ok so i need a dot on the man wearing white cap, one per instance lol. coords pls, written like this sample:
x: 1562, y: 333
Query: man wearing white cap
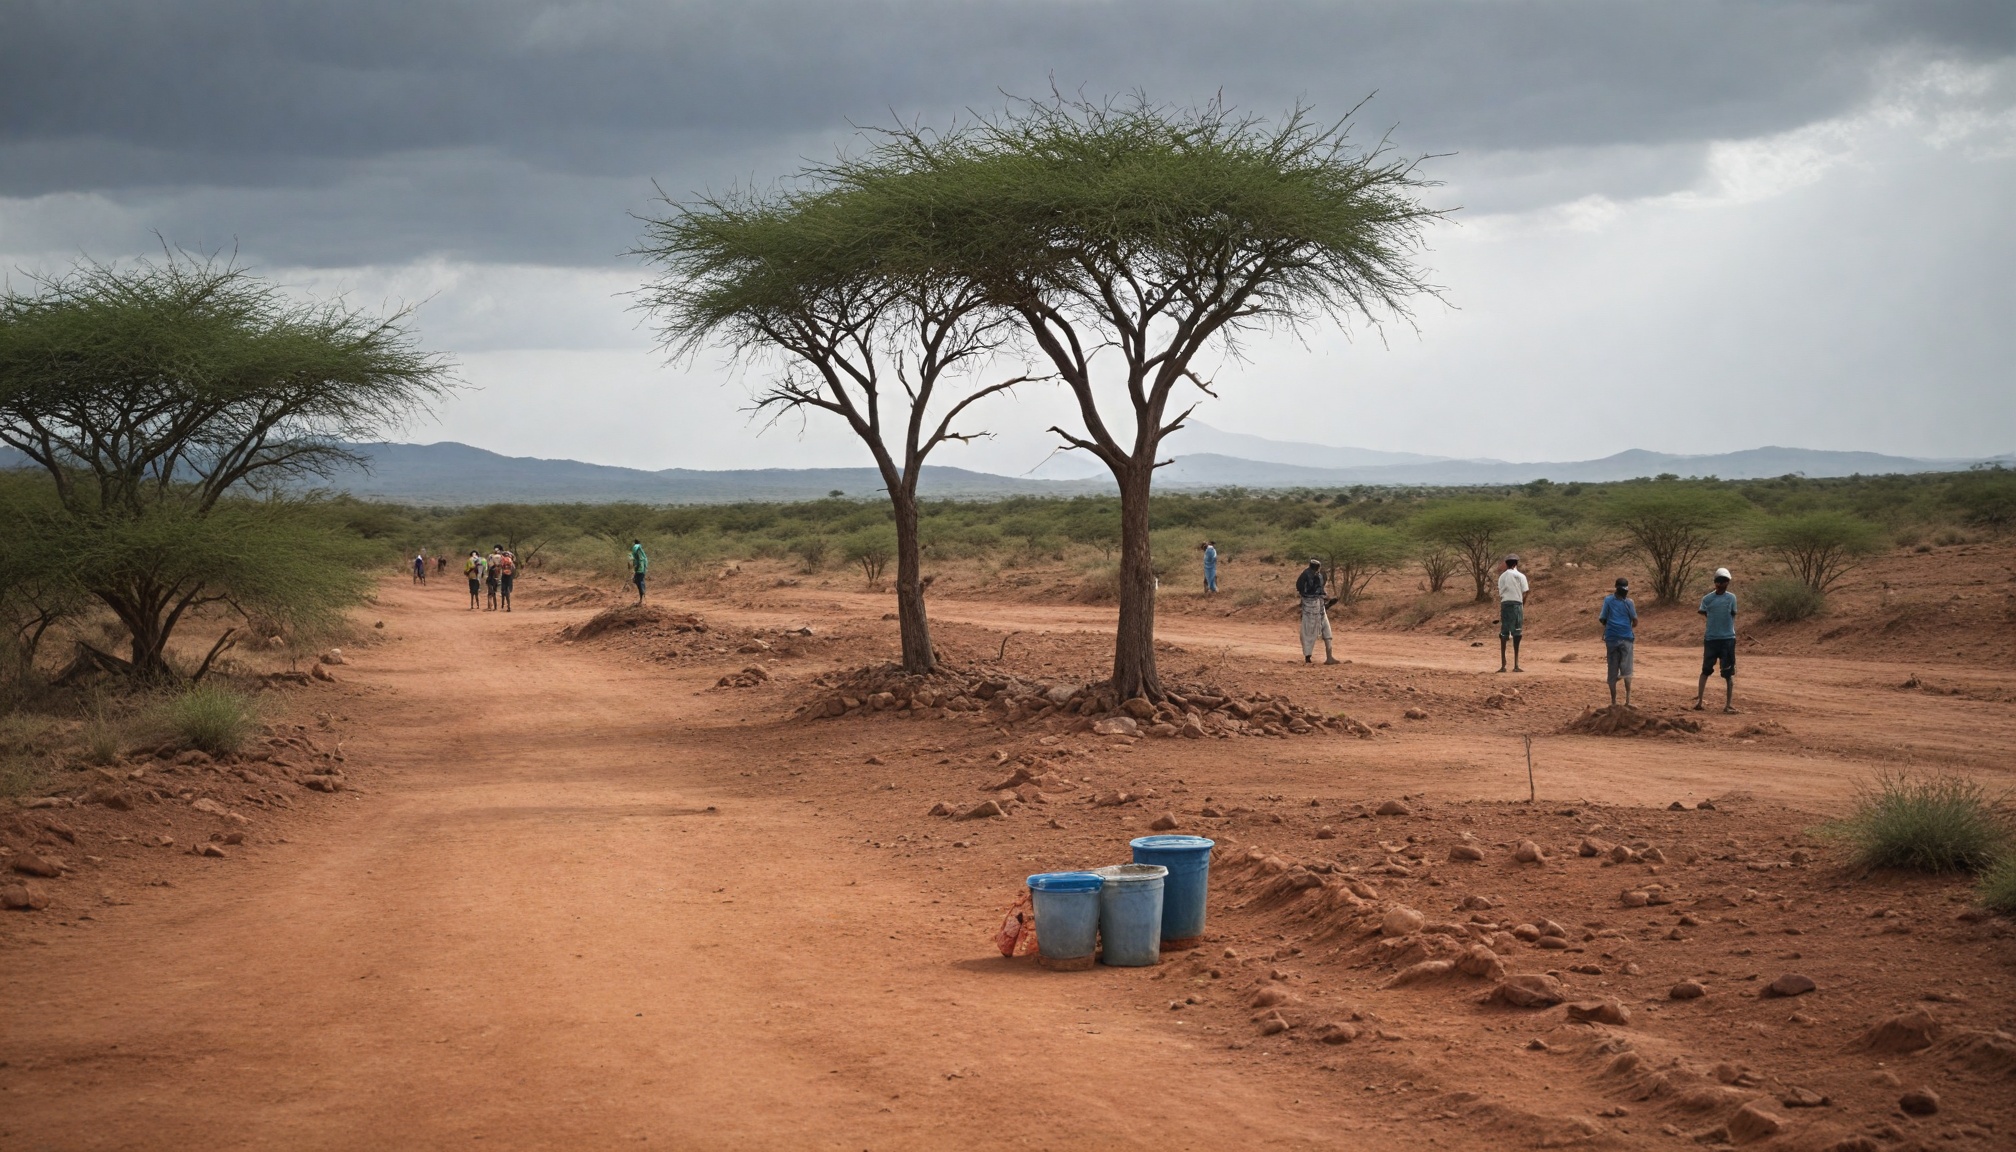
x: 1718, y: 645
x: 1512, y: 588
x: 1315, y: 613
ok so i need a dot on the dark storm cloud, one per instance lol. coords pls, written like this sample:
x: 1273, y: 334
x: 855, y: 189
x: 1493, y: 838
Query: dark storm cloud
x: 372, y: 130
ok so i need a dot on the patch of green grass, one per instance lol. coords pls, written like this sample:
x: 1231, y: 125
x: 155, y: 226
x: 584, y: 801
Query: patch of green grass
x: 1782, y: 601
x: 1997, y: 889
x: 20, y: 776
x: 1930, y: 823
x: 208, y: 716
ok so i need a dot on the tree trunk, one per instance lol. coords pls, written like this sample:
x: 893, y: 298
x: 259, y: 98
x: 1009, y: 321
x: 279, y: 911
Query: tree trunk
x: 143, y: 613
x: 1134, y: 639
x: 911, y: 620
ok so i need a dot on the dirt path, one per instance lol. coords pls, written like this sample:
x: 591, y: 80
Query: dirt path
x: 553, y: 922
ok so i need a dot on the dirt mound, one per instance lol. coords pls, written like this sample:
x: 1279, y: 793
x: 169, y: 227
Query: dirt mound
x: 1192, y: 711
x: 631, y: 616
x: 1624, y: 720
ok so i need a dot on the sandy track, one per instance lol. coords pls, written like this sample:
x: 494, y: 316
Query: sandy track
x: 532, y: 934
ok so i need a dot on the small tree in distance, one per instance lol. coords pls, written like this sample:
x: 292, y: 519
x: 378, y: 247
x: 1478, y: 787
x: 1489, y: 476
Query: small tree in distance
x: 871, y: 549
x: 1669, y: 526
x: 1476, y: 531
x: 1352, y: 553
x: 1819, y: 548
x: 1438, y: 563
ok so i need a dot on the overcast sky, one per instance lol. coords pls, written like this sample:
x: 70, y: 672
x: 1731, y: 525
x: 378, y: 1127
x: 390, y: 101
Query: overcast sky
x: 1690, y: 227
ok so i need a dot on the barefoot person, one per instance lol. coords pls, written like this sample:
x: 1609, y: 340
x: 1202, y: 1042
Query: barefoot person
x: 507, y: 569
x: 420, y: 567
x: 492, y: 575
x: 473, y: 569
x: 1512, y: 587
x: 1315, y: 613
x: 1210, y: 567
x: 1620, y: 618
x: 638, y: 564
x: 1718, y: 643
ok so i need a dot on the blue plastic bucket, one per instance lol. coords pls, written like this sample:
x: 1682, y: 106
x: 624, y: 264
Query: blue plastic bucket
x: 1130, y: 915
x: 1188, y: 859
x: 1067, y: 918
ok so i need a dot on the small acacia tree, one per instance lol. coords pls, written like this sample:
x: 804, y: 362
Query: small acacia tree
x: 1352, y: 553
x: 1669, y: 526
x: 1476, y: 531
x: 870, y: 549
x: 524, y: 529
x: 1438, y: 563
x: 1819, y: 548
x: 154, y: 396
x: 821, y: 278
x: 1128, y: 239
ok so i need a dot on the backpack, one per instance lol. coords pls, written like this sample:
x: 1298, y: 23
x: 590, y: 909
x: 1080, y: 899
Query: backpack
x: 507, y: 565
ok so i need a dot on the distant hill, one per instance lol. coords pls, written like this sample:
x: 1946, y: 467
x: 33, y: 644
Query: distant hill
x: 450, y: 474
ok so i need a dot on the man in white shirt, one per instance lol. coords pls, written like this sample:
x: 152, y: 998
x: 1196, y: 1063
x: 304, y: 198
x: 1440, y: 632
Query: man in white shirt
x: 1512, y: 587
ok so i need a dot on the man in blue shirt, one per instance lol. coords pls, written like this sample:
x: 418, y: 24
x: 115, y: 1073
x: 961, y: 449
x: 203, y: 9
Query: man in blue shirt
x: 1210, y: 567
x: 1718, y: 645
x: 1620, y: 617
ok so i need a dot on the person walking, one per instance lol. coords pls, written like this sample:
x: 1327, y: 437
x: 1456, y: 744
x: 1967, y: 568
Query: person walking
x: 473, y: 569
x: 507, y: 569
x: 1210, y: 568
x: 491, y: 576
x: 1718, y: 642
x: 420, y: 567
x: 1512, y: 586
x: 1620, y: 620
x: 441, y: 566
x: 1315, y: 613
x: 639, y: 564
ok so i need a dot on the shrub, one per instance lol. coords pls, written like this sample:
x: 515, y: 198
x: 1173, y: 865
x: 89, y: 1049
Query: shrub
x: 1352, y: 554
x: 1782, y: 601
x: 1669, y: 526
x: 1932, y: 824
x: 871, y: 549
x: 1438, y: 564
x: 20, y: 776
x: 1819, y: 548
x: 1997, y: 890
x: 210, y: 717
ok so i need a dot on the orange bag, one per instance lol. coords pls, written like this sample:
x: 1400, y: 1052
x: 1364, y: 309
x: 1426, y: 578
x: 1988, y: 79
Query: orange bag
x: 1017, y: 936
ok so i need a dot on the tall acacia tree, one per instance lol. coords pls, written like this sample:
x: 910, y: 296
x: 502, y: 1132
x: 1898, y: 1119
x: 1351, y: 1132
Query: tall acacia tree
x: 811, y: 276
x: 156, y: 395
x: 1127, y: 239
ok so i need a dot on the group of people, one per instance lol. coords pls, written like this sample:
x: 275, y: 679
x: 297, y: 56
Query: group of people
x: 1618, y: 615
x: 491, y: 575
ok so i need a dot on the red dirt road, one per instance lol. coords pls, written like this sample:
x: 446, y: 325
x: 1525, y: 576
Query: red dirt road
x: 531, y: 933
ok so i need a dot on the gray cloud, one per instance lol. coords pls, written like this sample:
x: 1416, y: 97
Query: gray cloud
x: 375, y: 129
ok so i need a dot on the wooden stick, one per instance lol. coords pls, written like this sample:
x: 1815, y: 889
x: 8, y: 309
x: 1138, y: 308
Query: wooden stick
x: 1531, y: 792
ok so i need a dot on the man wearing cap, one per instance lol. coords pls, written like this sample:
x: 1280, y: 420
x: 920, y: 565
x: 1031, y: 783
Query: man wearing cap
x: 1620, y: 618
x: 1315, y: 614
x: 1718, y: 644
x: 1512, y: 587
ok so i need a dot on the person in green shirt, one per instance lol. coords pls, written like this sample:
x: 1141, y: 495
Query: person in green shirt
x: 638, y: 564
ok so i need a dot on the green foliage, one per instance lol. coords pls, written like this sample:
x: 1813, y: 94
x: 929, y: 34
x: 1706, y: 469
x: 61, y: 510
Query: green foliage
x: 1819, y: 548
x: 1438, y: 564
x: 1785, y: 601
x: 1352, y: 554
x: 524, y: 529
x: 208, y: 716
x: 871, y: 549
x: 1930, y: 823
x: 1987, y: 496
x: 1669, y: 526
x: 1997, y: 889
x: 1477, y: 531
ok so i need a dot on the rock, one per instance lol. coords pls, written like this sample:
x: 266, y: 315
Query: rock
x: 1424, y: 970
x: 321, y: 783
x: 1400, y: 921
x: 1790, y: 984
x: 1855, y: 1144
x: 875, y: 760
x: 333, y: 656
x: 1600, y: 1012
x: 1570, y: 658
x: 1482, y: 963
x: 941, y: 808
x: 1113, y: 799
x: 1529, y: 853
x: 985, y: 810
x: 22, y: 898
x: 1526, y: 932
x: 1268, y: 997
x: 210, y: 850
x: 1687, y: 990
x: 1415, y: 714
x: 1394, y: 808
x: 1139, y: 708
x: 1466, y: 852
x: 1272, y: 1024
x: 1191, y: 729
x: 1550, y: 928
x: 30, y: 864
x: 1635, y: 898
x: 1163, y: 731
x: 1754, y: 1122
x: 205, y: 804
x: 1677, y: 806
x: 1061, y: 694
x: 1906, y: 1032
x: 322, y: 674
x: 1591, y: 846
x: 1919, y: 1102
x: 1326, y: 832
x: 1336, y: 1032
x: 1529, y: 990
x: 1116, y: 726
x: 110, y: 796
x: 1796, y: 1097
x: 1652, y: 856
x: 1164, y: 822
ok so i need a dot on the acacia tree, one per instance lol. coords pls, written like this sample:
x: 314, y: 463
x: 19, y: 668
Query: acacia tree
x: 1819, y: 548
x: 810, y: 275
x: 155, y: 396
x: 1127, y: 239
x: 1353, y: 552
x: 1476, y: 531
x: 1669, y: 526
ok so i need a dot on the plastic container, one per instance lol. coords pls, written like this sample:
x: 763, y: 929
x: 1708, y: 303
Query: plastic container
x: 1130, y: 915
x: 1188, y: 859
x: 1067, y: 918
